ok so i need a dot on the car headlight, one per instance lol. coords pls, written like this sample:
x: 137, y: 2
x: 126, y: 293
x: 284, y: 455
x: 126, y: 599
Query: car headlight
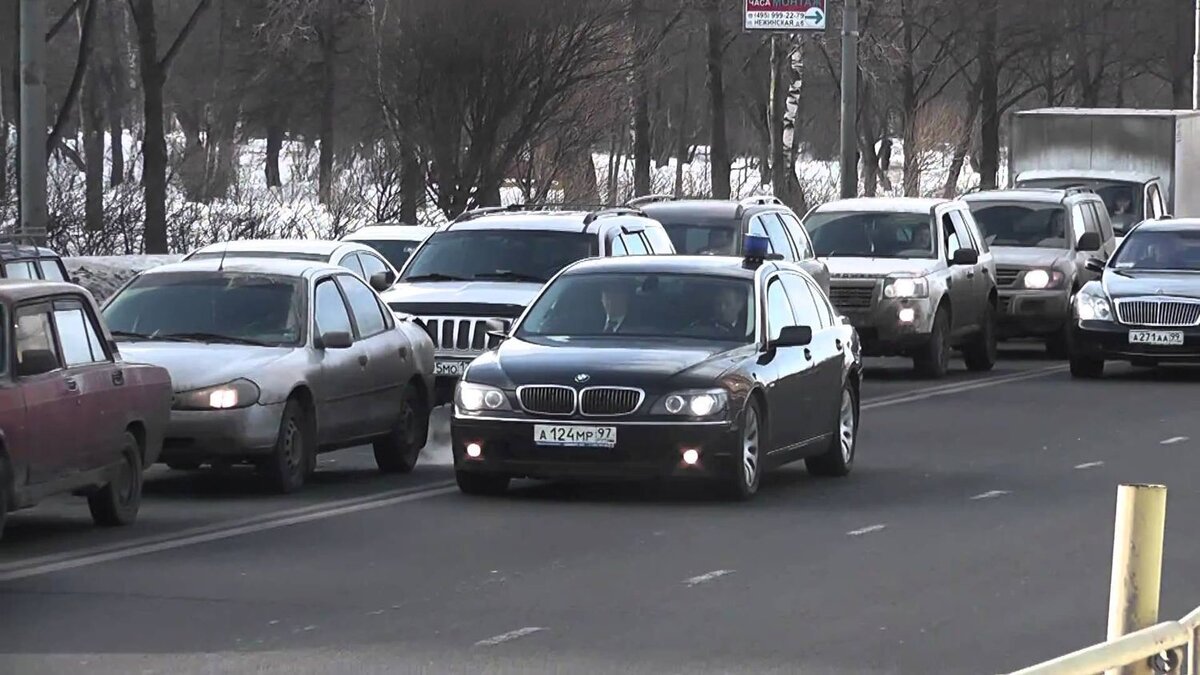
x: 470, y: 397
x: 906, y: 287
x: 705, y: 403
x: 1040, y: 280
x: 1089, y: 307
x: 236, y: 394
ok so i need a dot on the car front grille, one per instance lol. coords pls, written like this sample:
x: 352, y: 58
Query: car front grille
x: 1175, y: 313
x: 609, y: 401
x: 1007, y: 276
x: 547, y: 399
x: 851, y: 296
x: 460, y: 334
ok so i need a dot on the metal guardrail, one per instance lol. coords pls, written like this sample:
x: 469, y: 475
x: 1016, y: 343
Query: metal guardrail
x: 1137, y: 644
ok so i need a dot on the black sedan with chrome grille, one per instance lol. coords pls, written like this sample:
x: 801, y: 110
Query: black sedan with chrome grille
x: 663, y: 367
x: 1145, y: 308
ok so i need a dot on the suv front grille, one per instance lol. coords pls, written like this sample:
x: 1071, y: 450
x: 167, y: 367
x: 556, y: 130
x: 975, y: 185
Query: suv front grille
x: 1007, y: 276
x: 846, y: 296
x: 609, y: 401
x: 547, y: 399
x: 1175, y: 313
x: 460, y: 334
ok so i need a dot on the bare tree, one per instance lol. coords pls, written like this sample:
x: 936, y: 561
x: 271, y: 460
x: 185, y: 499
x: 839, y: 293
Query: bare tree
x: 719, y: 157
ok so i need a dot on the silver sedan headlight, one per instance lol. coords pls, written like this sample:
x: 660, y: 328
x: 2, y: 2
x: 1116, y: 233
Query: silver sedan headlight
x: 693, y: 403
x: 235, y: 394
x: 1090, y: 307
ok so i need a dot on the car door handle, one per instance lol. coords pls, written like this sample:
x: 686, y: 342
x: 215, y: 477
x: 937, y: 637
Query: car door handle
x: 808, y: 353
x: 403, y: 353
x: 118, y: 377
x: 839, y: 344
x: 362, y: 360
x: 72, y: 385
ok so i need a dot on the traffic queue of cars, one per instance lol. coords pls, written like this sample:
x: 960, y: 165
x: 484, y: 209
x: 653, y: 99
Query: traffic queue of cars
x: 715, y: 340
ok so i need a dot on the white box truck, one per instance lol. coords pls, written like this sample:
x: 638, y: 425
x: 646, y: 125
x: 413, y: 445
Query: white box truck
x: 1144, y: 163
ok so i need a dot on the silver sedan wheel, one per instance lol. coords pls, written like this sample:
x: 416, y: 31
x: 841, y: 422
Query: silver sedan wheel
x: 750, y: 447
x: 847, y: 425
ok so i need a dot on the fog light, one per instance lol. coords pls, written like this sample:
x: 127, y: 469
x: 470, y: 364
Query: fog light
x: 908, y: 315
x: 474, y: 450
x: 691, y: 457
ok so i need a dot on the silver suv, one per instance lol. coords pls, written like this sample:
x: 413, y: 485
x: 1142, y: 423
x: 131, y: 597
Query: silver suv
x: 913, y: 276
x: 472, y: 278
x: 1042, y: 240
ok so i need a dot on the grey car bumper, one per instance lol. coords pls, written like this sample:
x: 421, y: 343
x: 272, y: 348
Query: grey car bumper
x: 893, y: 327
x: 198, y: 435
x: 1025, y: 313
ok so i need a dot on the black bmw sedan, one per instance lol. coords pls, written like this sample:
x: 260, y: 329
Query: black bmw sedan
x: 663, y: 367
x: 1145, y: 308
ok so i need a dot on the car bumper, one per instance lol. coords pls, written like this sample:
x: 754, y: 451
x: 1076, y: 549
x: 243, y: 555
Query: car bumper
x: 642, y: 451
x: 198, y: 435
x: 893, y: 327
x: 1110, y: 341
x: 1032, y: 313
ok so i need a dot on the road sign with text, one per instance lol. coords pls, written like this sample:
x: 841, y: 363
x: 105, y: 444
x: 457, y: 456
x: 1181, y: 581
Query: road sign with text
x: 784, y: 15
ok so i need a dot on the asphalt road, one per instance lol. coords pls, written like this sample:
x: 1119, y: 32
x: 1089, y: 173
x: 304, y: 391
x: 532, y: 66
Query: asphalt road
x: 973, y: 537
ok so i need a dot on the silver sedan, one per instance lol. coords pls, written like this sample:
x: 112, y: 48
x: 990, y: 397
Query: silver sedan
x: 274, y: 361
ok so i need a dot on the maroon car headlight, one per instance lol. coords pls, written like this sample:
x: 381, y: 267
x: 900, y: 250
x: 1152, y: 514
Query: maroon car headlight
x: 236, y: 394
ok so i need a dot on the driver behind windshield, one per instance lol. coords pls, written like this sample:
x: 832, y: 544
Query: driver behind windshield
x: 726, y: 320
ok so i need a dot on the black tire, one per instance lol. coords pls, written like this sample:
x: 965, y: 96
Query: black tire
x: 399, y: 451
x: 980, y: 353
x: 117, y: 503
x: 1086, y: 368
x: 933, y: 360
x: 838, y: 459
x: 293, y: 457
x: 481, y: 484
x: 183, y: 466
x: 745, y: 476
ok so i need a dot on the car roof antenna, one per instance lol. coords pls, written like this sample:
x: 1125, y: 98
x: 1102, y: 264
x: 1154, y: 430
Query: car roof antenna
x: 221, y: 265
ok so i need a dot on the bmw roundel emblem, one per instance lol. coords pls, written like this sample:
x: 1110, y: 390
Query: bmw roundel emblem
x: 582, y: 377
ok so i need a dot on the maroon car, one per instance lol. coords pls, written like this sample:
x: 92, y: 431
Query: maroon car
x: 73, y: 417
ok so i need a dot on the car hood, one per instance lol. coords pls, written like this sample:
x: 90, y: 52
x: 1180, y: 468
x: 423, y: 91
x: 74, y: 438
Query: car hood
x: 196, y: 365
x: 1027, y: 256
x: 654, y: 365
x: 1130, y: 284
x: 461, y: 292
x: 878, y: 266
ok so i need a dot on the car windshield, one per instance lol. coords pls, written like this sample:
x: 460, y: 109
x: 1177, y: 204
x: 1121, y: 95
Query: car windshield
x: 1023, y: 225
x: 871, y: 234
x: 699, y: 237
x: 498, y: 255
x: 210, y: 307
x: 396, y: 251
x: 1160, y: 250
x: 672, y: 306
x: 1123, y: 199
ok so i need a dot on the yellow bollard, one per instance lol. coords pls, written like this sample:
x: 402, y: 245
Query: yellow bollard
x: 1137, y: 564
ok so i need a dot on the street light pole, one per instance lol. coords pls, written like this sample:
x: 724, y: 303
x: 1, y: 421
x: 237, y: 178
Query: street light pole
x: 32, y: 136
x: 849, y: 134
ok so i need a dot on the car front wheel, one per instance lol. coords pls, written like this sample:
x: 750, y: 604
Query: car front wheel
x: 118, y: 502
x: 933, y: 359
x: 839, y: 458
x: 980, y: 352
x: 293, y: 456
x: 746, y: 474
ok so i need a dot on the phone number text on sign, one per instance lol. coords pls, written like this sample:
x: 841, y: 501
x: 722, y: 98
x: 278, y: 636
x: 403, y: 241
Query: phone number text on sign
x: 784, y: 15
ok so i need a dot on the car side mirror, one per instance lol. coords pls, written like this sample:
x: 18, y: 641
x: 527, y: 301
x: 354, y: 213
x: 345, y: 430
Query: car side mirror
x: 381, y: 281
x: 1095, y: 265
x: 1089, y: 241
x: 793, y: 336
x: 36, y: 362
x: 335, y: 340
x: 965, y: 256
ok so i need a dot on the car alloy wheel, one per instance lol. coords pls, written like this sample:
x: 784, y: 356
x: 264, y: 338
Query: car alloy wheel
x: 745, y: 474
x: 750, y: 463
x: 838, y: 458
x: 847, y: 426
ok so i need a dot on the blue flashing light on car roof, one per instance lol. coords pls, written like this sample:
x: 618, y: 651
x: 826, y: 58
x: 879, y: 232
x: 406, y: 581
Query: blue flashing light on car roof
x: 756, y: 247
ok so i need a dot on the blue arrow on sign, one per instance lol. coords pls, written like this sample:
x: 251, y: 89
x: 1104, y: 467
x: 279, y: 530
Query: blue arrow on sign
x: 815, y: 15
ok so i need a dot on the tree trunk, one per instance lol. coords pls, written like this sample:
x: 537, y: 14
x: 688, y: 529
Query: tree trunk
x: 116, y: 141
x: 154, y: 150
x: 3, y: 141
x: 412, y: 186
x: 959, y: 158
x: 777, y: 107
x: 328, y: 104
x: 115, y: 86
x: 721, y: 164
x: 988, y: 101
x: 909, y: 105
x: 642, y: 147
x: 92, y: 114
x: 275, y: 131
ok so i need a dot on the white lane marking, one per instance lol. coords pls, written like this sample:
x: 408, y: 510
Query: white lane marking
x: 991, y: 494
x: 509, y: 636
x: 202, y: 535
x: 946, y: 390
x: 706, y: 577
x: 1173, y: 440
x: 1089, y: 465
x: 866, y: 530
